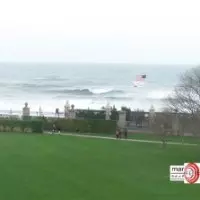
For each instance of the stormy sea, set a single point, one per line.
(86, 85)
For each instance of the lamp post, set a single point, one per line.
(176, 122)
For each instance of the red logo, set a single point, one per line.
(191, 173)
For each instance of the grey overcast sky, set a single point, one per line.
(137, 31)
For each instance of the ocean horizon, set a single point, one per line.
(86, 85)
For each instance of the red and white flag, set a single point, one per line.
(139, 80)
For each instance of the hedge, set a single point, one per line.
(84, 126)
(91, 114)
(65, 125)
(14, 125)
(102, 126)
(97, 115)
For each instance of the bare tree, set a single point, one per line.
(162, 126)
(186, 97)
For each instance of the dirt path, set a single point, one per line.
(128, 140)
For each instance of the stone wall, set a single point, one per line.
(122, 120)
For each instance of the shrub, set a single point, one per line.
(36, 126)
(102, 126)
(65, 125)
(91, 114)
(84, 126)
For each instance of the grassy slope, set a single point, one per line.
(59, 167)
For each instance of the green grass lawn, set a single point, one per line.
(52, 167)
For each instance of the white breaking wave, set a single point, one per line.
(159, 94)
(101, 90)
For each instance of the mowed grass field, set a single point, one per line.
(53, 167)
